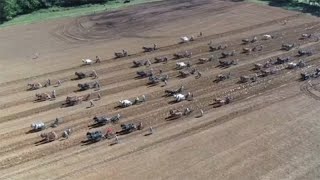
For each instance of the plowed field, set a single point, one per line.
(269, 130)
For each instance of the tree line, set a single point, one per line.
(11, 8)
(305, 6)
(310, 2)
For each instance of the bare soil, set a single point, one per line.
(270, 129)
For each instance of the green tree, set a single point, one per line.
(9, 9)
(28, 6)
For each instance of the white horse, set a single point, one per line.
(185, 39)
(267, 37)
(87, 61)
(38, 126)
(306, 35)
(181, 65)
(181, 97)
(125, 103)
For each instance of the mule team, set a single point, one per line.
(177, 94)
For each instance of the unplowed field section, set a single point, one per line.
(269, 130)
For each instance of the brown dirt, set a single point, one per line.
(269, 131)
